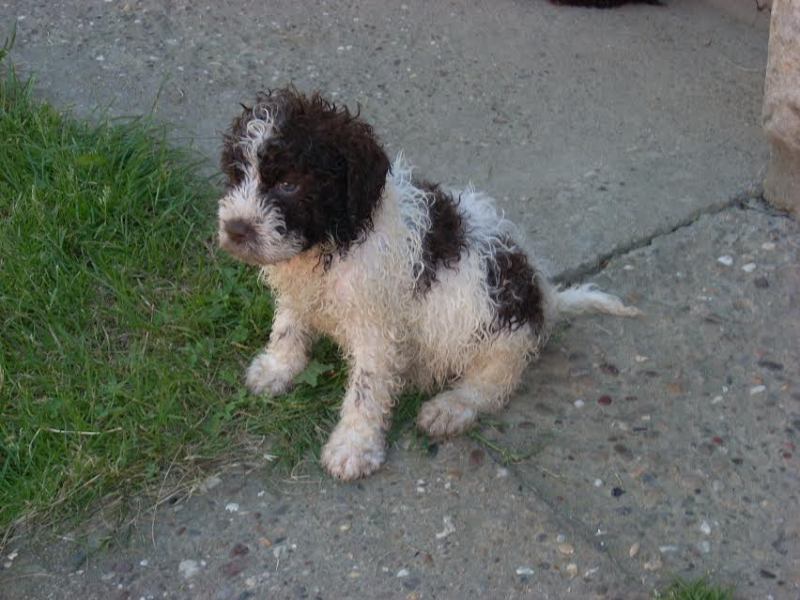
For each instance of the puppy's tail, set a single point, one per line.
(585, 298)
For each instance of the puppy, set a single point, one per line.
(419, 286)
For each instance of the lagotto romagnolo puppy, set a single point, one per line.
(419, 286)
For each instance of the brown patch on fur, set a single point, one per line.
(514, 287)
(604, 3)
(232, 158)
(333, 164)
(336, 159)
(444, 241)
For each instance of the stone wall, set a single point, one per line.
(782, 106)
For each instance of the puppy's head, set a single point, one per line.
(301, 172)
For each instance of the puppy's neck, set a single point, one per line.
(302, 270)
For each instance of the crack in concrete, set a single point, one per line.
(578, 528)
(743, 200)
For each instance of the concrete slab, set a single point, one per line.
(677, 433)
(595, 129)
(441, 527)
(658, 447)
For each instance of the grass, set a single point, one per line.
(123, 332)
(696, 589)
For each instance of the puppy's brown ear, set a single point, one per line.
(367, 166)
(232, 156)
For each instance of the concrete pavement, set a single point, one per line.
(595, 129)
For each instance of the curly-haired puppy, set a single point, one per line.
(419, 286)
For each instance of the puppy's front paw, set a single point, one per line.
(445, 415)
(267, 374)
(353, 451)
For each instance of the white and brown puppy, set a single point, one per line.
(420, 287)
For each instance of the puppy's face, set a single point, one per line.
(300, 172)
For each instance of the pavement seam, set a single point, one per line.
(749, 198)
(575, 526)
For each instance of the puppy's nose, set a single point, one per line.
(239, 231)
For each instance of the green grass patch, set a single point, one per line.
(696, 589)
(123, 332)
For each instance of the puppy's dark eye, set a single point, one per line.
(287, 187)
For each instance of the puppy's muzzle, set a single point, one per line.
(239, 231)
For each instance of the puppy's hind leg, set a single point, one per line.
(484, 387)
